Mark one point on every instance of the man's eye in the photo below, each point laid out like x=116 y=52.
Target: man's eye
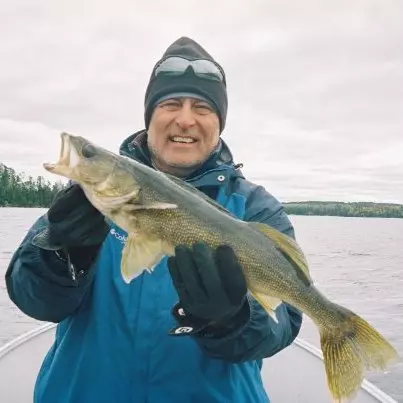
x=203 y=109
x=170 y=105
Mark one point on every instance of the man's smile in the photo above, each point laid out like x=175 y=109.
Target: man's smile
x=183 y=140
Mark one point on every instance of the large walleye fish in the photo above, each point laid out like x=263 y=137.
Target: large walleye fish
x=159 y=211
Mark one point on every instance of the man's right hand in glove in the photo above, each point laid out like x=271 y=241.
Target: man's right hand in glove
x=74 y=221
x=76 y=227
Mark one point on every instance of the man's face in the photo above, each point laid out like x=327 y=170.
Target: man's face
x=182 y=134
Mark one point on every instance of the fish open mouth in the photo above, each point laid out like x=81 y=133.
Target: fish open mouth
x=64 y=158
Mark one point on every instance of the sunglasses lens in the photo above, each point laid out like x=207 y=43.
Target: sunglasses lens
x=203 y=68
x=172 y=65
x=206 y=68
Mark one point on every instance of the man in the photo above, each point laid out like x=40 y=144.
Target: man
x=114 y=341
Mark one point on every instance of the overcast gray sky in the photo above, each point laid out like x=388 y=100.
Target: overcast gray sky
x=315 y=87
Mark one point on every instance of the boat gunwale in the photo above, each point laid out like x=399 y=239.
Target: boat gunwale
x=23 y=338
x=370 y=388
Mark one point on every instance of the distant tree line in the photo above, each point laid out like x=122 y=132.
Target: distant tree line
x=341 y=209
x=17 y=191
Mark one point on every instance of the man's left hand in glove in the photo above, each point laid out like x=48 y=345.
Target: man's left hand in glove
x=212 y=290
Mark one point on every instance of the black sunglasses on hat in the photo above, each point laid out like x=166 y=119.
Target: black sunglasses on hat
x=176 y=66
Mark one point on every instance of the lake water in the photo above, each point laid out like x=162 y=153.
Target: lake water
x=357 y=262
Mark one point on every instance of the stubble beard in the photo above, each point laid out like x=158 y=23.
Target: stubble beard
x=180 y=169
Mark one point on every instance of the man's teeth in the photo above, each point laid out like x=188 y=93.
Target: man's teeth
x=179 y=139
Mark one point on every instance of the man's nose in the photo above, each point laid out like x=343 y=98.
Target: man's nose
x=185 y=118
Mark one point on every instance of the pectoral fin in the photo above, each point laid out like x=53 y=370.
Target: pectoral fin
x=268 y=303
x=109 y=202
x=153 y=206
x=140 y=253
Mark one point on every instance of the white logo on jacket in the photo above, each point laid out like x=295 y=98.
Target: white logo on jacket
x=118 y=236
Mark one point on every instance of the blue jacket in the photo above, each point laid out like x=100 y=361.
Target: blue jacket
x=111 y=340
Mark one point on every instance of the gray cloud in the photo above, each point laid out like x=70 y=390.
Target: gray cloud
x=316 y=88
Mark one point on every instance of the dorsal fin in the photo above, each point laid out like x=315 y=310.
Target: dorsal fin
x=287 y=246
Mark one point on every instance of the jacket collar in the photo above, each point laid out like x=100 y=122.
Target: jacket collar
x=217 y=170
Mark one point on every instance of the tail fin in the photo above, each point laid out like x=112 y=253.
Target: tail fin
x=350 y=349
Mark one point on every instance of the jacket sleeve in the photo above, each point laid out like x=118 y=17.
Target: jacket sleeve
x=260 y=337
x=39 y=283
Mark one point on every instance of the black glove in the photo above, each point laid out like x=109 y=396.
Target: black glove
x=212 y=290
x=77 y=225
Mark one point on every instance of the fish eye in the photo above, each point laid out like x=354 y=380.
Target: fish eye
x=88 y=151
